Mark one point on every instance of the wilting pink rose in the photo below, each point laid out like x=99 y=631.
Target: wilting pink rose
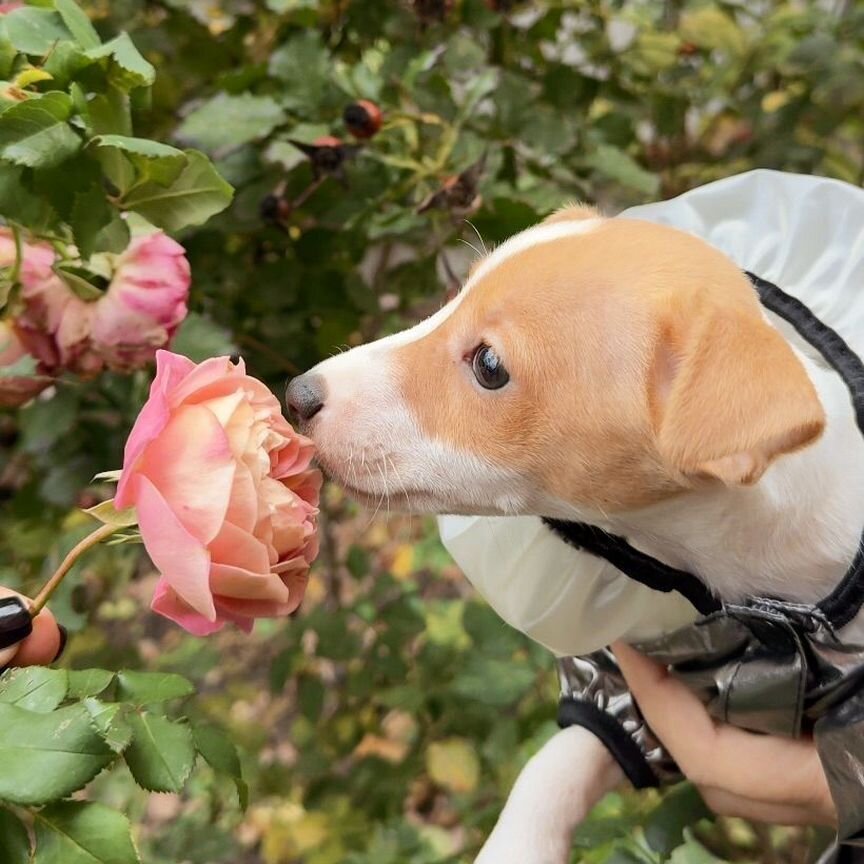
x=145 y=302
x=225 y=498
x=54 y=325
x=15 y=390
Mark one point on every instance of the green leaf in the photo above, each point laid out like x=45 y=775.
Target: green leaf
x=196 y=195
x=619 y=166
x=152 y=161
x=217 y=749
x=681 y=807
x=114 y=237
x=36 y=133
x=14 y=842
x=712 y=28
x=304 y=65
x=25 y=367
x=227 y=122
x=34 y=688
x=74 y=832
x=33 y=30
x=48 y=756
x=454 y=765
x=493 y=682
x=110 y=721
x=199 y=338
x=128 y=69
x=91 y=214
x=108 y=514
x=148 y=688
x=219 y=752
x=18 y=202
x=8 y=54
x=161 y=754
x=88 y=682
x=65 y=62
x=80 y=26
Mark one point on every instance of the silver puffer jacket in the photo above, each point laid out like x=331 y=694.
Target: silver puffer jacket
x=764 y=665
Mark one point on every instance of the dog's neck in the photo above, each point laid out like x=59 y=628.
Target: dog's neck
x=792 y=535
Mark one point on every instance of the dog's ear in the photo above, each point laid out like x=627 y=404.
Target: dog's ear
x=728 y=396
x=572 y=212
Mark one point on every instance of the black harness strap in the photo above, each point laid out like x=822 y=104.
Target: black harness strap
x=637 y=565
x=844 y=602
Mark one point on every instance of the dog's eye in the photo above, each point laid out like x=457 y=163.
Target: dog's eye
x=488 y=368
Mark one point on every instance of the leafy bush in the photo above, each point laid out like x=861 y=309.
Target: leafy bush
x=386 y=722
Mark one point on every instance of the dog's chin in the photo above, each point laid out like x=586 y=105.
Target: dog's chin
x=416 y=502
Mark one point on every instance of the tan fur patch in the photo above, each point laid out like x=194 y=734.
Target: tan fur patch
x=581 y=324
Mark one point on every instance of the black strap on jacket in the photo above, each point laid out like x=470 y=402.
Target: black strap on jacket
x=844 y=602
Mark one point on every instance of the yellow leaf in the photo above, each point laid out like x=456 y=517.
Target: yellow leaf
x=774 y=101
x=292 y=834
x=711 y=28
x=31 y=75
x=403 y=562
x=383 y=748
x=453 y=764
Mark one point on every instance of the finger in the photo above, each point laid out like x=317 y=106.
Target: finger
x=724 y=803
x=15 y=625
x=773 y=769
x=42 y=640
x=44 y=645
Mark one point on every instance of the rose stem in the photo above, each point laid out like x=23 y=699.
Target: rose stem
x=53 y=583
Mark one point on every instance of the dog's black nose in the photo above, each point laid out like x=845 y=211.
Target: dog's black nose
x=305 y=395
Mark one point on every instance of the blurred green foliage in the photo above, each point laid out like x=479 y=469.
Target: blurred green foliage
x=386 y=722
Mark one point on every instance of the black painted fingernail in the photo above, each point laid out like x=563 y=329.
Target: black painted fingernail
x=15 y=621
x=64 y=637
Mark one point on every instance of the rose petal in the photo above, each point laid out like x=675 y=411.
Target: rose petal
x=170 y=370
x=183 y=562
x=235 y=582
x=243 y=506
x=239 y=548
x=191 y=464
x=167 y=603
x=218 y=370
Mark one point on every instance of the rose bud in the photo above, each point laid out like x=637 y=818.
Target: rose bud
x=327 y=155
x=459 y=193
x=274 y=208
x=226 y=501
x=144 y=304
x=362 y=118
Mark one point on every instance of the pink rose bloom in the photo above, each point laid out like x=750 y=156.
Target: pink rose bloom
x=145 y=302
x=55 y=323
x=15 y=390
x=225 y=498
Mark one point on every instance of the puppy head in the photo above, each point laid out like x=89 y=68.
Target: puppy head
x=588 y=366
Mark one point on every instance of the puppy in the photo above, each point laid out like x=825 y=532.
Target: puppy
x=615 y=372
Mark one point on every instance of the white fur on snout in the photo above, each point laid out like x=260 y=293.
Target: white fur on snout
x=368 y=437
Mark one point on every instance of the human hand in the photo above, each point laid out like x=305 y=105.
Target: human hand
x=765 y=778
x=24 y=642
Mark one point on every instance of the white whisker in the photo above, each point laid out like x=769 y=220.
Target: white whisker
x=482 y=241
